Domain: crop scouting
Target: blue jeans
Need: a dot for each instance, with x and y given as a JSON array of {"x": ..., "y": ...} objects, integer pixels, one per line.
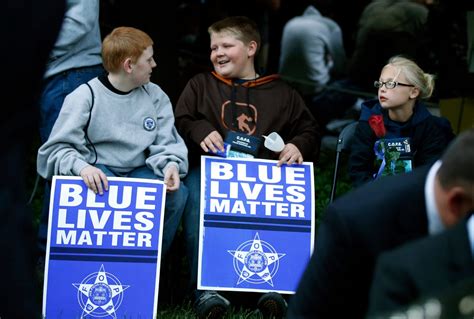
[
  {"x": 55, "y": 90},
  {"x": 191, "y": 223},
  {"x": 174, "y": 207}
]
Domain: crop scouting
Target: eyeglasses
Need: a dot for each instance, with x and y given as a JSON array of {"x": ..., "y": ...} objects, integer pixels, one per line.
[{"x": 389, "y": 84}]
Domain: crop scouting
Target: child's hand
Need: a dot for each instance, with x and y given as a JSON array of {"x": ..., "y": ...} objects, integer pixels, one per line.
[
  {"x": 172, "y": 179},
  {"x": 290, "y": 154},
  {"x": 94, "y": 178},
  {"x": 213, "y": 142}
]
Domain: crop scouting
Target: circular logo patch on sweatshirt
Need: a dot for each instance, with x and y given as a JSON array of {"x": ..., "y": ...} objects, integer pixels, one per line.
[{"x": 149, "y": 124}]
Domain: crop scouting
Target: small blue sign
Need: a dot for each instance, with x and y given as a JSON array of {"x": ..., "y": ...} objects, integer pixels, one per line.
[
  {"x": 104, "y": 251},
  {"x": 257, "y": 224}
]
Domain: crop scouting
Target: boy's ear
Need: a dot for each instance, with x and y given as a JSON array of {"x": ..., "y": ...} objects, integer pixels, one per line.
[
  {"x": 252, "y": 48},
  {"x": 127, "y": 65}
]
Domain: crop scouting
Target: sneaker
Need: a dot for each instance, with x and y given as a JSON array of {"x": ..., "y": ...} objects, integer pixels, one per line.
[
  {"x": 211, "y": 305},
  {"x": 272, "y": 305}
]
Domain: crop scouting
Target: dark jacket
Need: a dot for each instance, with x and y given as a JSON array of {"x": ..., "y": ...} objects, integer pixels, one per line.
[
  {"x": 423, "y": 268},
  {"x": 429, "y": 136},
  {"x": 355, "y": 230},
  {"x": 210, "y": 102}
]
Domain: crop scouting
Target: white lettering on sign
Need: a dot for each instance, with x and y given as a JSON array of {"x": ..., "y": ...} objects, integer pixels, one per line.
[{"x": 259, "y": 189}]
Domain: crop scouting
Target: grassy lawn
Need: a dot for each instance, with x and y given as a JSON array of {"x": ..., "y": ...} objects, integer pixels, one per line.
[{"x": 173, "y": 300}]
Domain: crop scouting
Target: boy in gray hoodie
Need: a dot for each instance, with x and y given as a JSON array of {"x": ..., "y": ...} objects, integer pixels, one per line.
[{"x": 120, "y": 124}]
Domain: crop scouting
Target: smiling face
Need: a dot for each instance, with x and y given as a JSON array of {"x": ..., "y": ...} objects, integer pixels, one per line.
[
  {"x": 232, "y": 58},
  {"x": 142, "y": 69},
  {"x": 400, "y": 97}
]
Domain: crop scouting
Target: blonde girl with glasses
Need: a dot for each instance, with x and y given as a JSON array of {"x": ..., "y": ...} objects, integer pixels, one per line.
[{"x": 402, "y": 87}]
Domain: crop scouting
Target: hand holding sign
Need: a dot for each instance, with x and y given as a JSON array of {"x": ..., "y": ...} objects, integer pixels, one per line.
[
  {"x": 212, "y": 142},
  {"x": 290, "y": 155},
  {"x": 94, "y": 178}
]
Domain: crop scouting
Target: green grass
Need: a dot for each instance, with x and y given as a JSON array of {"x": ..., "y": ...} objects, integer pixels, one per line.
[
  {"x": 173, "y": 300},
  {"x": 186, "y": 311}
]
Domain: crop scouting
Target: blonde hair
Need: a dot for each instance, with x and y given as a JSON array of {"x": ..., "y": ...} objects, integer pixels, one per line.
[
  {"x": 123, "y": 43},
  {"x": 241, "y": 27},
  {"x": 414, "y": 75}
]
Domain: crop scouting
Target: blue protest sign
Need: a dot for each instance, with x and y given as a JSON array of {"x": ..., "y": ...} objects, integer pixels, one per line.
[
  {"x": 257, "y": 224},
  {"x": 103, "y": 253}
]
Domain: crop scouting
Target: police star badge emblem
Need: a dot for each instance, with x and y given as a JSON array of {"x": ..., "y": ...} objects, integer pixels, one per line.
[
  {"x": 256, "y": 261},
  {"x": 100, "y": 294}
]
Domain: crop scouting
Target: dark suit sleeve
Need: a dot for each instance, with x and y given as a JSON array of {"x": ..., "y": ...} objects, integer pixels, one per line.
[
  {"x": 391, "y": 286},
  {"x": 326, "y": 274},
  {"x": 421, "y": 268}
]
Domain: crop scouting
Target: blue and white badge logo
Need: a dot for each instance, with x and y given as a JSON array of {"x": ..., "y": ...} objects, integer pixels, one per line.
[
  {"x": 100, "y": 294},
  {"x": 256, "y": 261},
  {"x": 149, "y": 124}
]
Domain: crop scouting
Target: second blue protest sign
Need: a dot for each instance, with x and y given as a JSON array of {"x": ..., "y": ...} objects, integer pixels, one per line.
[{"x": 257, "y": 224}]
